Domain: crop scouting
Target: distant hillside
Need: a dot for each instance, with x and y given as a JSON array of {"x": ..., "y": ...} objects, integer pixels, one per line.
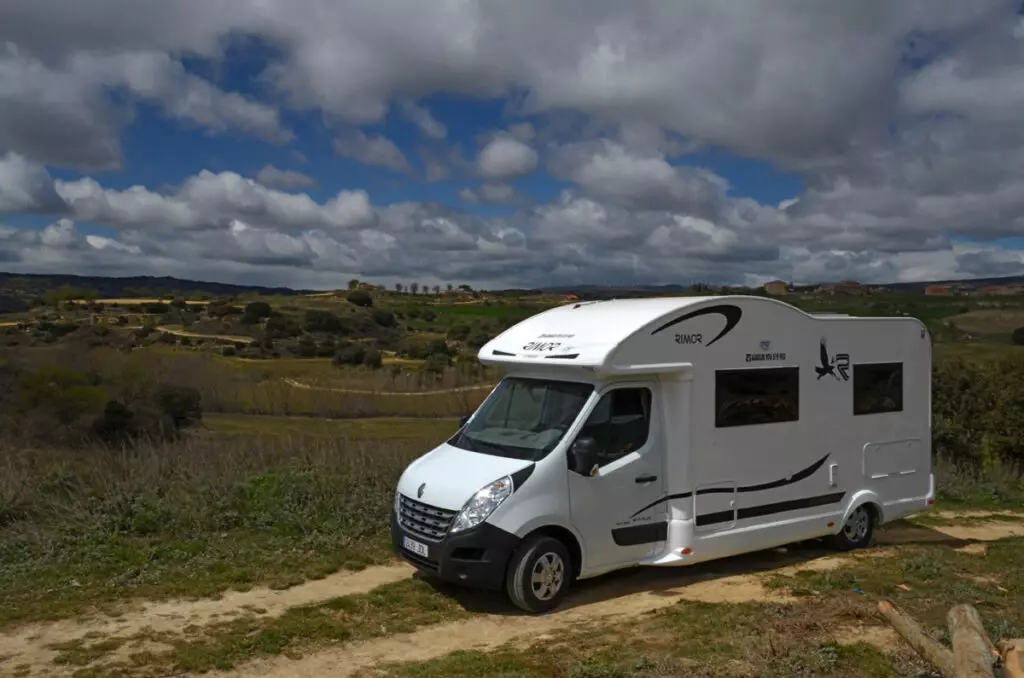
[
  {"x": 24, "y": 286},
  {"x": 970, "y": 282}
]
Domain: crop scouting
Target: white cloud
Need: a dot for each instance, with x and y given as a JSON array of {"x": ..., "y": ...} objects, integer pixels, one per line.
[
  {"x": 489, "y": 193},
  {"x": 372, "y": 149},
  {"x": 897, "y": 160},
  {"x": 506, "y": 157},
  {"x": 26, "y": 186},
  {"x": 60, "y": 112},
  {"x": 284, "y": 178},
  {"x": 422, "y": 118}
]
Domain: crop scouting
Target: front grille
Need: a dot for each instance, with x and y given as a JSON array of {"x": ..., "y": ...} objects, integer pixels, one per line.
[{"x": 424, "y": 520}]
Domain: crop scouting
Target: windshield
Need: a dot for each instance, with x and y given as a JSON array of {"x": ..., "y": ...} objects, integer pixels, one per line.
[{"x": 523, "y": 418}]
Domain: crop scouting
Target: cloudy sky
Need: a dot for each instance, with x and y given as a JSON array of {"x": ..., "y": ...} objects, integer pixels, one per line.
[{"x": 512, "y": 142}]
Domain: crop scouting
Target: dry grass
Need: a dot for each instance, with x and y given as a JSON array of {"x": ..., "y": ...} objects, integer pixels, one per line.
[{"x": 81, "y": 527}]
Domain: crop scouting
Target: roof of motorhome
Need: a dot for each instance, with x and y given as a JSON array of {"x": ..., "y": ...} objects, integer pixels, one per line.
[
  {"x": 589, "y": 329},
  {"x": 587, "y": 334}
]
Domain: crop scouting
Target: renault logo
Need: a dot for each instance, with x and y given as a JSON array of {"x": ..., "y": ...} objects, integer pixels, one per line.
[{"x": 419, "y": 492}]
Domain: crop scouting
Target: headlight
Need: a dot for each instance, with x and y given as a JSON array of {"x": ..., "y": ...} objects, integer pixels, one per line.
[
  {"x": 398, "y": 503},
  {"x": 482, "y": 504}
]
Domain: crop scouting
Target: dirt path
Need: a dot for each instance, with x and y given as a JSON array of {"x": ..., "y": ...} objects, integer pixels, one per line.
[
  {"x": 598, "y": 602},
  {"x": 198, "y": 335},
  {"x": 623, "y": 594},
  {"x": 28, "y": 644},
  {"x": 458, "y": 389}
]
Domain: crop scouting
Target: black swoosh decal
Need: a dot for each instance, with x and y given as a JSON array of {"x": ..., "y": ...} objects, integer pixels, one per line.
[
  {"x": 795, "y": 478},
  {"x": 732, "y": 315},
  {"x": 649, "y": 533}
]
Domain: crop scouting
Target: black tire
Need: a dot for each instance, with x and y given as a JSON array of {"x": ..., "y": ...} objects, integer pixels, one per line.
[
  {"x": 858, "y": 530},
  {"x": 550, "y": 560}
]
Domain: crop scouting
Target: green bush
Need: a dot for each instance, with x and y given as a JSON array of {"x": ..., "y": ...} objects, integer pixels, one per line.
[
  {"x": 282, "y": 327},
  {"x": 373, "y": 358},
  {"x": 322, "y": 321},
  {"x": 352, "y": 354},
  {"x": 420, "y": 349},
  {"x": 459, "y": 332},
  {"x": 360, "y": 298},
  {"x": 437, "y": 363},
  {"x": 256, "y": 311},
  {"x": 1018, "y": 336},
  {"x": 384, "y": 318}
]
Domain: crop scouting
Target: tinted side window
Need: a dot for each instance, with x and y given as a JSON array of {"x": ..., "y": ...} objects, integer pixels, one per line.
[
  {"x": 620, "y": 423},
  {"x": 759, "y": 396},
  {"x": 877, "y": 388}
]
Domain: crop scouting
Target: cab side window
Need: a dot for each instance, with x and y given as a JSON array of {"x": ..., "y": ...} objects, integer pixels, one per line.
[{"x": 620, "y": 423}]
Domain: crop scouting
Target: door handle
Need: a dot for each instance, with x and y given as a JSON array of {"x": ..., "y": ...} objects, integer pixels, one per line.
[{"x": 646, "y": 479}]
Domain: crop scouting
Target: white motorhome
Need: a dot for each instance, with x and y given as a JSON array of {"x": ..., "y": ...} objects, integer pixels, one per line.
[{"x": 671, "y": 431}]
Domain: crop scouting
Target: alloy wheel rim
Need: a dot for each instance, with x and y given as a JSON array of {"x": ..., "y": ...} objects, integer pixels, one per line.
[
  {"x": 856, "y": 526},
  {"x": 547, "y": 577}
]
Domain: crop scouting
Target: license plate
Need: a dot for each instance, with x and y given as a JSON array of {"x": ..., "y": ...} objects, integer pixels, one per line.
[{"x": 414, "y": 546}]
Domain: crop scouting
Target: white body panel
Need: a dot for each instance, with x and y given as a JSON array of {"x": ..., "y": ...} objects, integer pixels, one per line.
[{"x": 718, "y": 490}]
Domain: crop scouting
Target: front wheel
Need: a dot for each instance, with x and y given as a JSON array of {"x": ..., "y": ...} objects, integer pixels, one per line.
[
  {"x": 857, "y": 530},
  {"x": 539, "y": 574}
]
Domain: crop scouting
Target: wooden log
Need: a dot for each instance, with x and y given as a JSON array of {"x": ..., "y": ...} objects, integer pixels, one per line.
[
  {"x": 930, "y": 649},
  {"x": 972, "y": 656},
  {"x": 1012, "y": 652}
]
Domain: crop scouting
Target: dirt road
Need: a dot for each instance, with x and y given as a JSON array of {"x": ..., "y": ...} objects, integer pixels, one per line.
[{"x": 594, "y": 602}]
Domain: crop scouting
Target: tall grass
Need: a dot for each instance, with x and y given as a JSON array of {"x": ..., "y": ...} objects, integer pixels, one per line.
[
  {"x": 88, "y": 525},
  {"x": 284, "y": 387}
]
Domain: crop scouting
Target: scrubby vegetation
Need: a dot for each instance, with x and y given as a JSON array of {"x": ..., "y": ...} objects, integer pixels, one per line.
[{"x": 177, "y": 445}]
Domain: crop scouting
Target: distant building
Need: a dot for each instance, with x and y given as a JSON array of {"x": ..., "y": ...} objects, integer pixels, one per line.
[
  {"x": 1001, "y": 290},
  {"x": 776, "y": 288},
  {"x": 938, "y": 290},
  {"x": 845, "y": 287}
]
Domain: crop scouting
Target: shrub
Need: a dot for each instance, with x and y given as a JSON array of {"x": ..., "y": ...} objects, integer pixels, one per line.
[
  {"x": 222, "y": 310},
  {"x": 1018, "y": 336},
  {"x": 229, "y": 351},
  {"x": 458, "y": 332},
  {"x": 322, "y": 321},
  {"x": 282, "y": 327},
  {"x": 352, "y": 354},
  {"x": 256, "y": 311},
  {"x": 182, "y": 404},
  {"x": 59, "y": 393},
  {"x": 429, "y": 316},
  {"x": 384, "y": 318},
  {"x": 373, "y": 358},
  {"x": 419, "y": 349},
  {"x": 360, "y": 298},
  {"x": 478, "y": 337},
  {"x": 307, "y": 347},
  {"x": 437, "y": 362}
]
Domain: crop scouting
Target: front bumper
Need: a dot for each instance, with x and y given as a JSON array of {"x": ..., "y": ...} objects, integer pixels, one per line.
[{"x": 477, "y": 558}]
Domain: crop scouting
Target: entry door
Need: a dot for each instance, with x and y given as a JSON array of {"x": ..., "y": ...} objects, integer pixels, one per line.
[{"x": 619, "y": 511}]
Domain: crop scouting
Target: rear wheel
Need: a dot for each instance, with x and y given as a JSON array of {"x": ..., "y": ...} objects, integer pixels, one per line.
[
  {"x": 857, "y": 531},
  {"x": 539, "y": 574}
]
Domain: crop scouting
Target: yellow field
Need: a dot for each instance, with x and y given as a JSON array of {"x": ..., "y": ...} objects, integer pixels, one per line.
[{"x": 129, "y": 301}]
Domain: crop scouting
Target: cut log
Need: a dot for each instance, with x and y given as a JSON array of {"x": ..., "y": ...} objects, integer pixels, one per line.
[
  {"x": 972, "y": 654},
  {"x": 1012, "y": 652},
  {"x": 930, "y": 649}
]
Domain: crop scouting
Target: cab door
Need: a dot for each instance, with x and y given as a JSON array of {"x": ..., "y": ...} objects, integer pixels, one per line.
[{"x": 619, "y": 511}]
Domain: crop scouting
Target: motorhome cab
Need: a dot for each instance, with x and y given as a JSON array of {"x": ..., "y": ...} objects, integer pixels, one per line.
[{"x": 668, "y": 432}]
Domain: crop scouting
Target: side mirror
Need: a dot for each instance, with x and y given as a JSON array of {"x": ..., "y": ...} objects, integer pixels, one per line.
[
  {"x": 463, "y": 420},
  {"x": 583, "y": 456}
]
